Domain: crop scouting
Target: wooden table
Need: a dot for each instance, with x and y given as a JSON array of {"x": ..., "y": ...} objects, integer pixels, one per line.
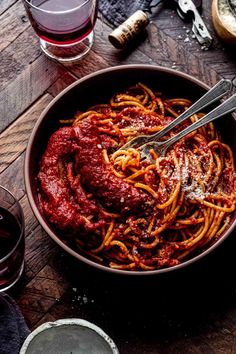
[{"x": 193, "y": 311}]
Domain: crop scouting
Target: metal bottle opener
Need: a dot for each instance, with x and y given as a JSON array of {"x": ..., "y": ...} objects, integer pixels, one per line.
[{"x": 188, "y": 8}]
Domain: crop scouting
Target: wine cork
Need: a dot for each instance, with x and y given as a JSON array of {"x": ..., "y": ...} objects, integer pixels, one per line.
[{"x": 129, "y": 29}]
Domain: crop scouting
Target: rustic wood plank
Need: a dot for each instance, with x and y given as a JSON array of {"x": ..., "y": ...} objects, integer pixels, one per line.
[
  {"x": 59, "y": 311},
  {"x": 163, "y": 46},
  {"x": 158, "y": 47},
  {"x": 14, "y": 139},
  {"x": 12, "y": 177},
  {"x": 12, "y": 23},
  {"x": 91, "y": 63},
  {"x": 46, "y": 318},
  {"x": 25, "y": 74},
  {"x": 35, "y": 260},
  {"x": 26, "y": 88},
  {"x": 47, "y": 287},
  {"x": 23, "y": 51},
  {"x": 31, "y": 317},
  {"x": 21, "y": 93},
  {"x": 5, "y": 4},
  {"x": 31, "y": 223},
  {"x": 65, "y": 80},
  {"x": 40, "y": 294},
  {"x": 35, "y": 303}
]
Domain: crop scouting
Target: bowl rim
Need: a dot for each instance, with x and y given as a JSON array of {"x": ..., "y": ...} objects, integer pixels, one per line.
[{"x": 37, "y": 213}]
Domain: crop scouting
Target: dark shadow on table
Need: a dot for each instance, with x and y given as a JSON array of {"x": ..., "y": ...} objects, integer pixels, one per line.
[{"x": 183, "y": 304}]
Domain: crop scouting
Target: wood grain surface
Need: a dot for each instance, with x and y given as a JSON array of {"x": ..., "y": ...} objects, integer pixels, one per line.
[{"x": 192, "y": 312}]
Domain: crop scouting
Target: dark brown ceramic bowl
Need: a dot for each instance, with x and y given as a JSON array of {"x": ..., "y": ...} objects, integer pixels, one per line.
[{"x": 98, "y": 88}]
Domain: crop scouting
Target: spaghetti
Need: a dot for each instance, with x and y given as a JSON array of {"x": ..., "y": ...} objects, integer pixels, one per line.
[{"x": 129, "y": 214}]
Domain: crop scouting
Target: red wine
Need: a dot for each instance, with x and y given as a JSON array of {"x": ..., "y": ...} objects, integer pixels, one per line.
[
  {"x": 70, "y": 26},
  {"x": 63, "y": 38},
  {"x": 9, "y": 232},
  {"x": 11, "y": 248}
]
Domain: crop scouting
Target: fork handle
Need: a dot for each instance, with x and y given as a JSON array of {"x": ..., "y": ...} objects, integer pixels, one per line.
[
  {"x": 211, "y": 96},
  {"x": 226, "y": 107}
]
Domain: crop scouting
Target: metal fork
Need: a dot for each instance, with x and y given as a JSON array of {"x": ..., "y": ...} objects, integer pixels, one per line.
[
  {"x": 161, "y": 147},
  {"x": 215, "y": 93}
]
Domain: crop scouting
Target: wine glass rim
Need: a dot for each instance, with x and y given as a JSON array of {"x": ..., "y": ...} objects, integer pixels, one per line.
[
  {"x": 22, "y": 226},
  {"x": 57, "y": 12}
]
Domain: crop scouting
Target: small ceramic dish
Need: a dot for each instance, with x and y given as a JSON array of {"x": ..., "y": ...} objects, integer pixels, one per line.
[
  {"x": 224, "y": 21},
  {"x": 67, "y": 336}
]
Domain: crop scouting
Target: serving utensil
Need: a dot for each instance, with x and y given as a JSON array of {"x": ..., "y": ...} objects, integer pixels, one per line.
[
  {"x": 161, "y": 147},
  {"x": 215, "y": 93}
]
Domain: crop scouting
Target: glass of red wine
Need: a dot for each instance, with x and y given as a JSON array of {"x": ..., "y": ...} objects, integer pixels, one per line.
[
  {"x": 65, "y": 27},
  {"x": 12, "y": 239}
]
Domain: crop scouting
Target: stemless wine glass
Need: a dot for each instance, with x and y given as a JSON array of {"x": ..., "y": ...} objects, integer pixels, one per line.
[
  {"x": 12, "y": 241},
  {"x": 64, "y": 27}
]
